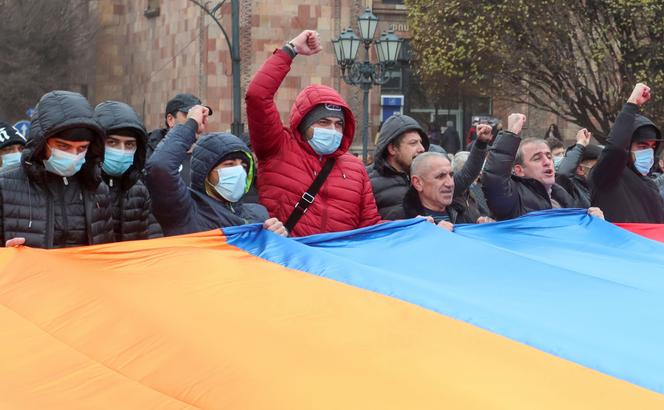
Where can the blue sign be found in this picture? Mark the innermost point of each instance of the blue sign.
(23, 127)
(390, 104)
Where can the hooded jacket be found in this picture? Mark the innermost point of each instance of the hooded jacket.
(132, 217)
(287, 165)
(48, 210)
(623, 194)
(566, 177)
(389, 185)
(180, 209)
(509, 196)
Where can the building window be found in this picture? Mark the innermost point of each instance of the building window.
(392, 1)
(152, 10)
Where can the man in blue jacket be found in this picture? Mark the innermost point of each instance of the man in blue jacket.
(222, 169)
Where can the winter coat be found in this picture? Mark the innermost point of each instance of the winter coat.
(154, 138)
(48, 210)
(623, 194)
(450, 140)
(566, 177)
(287, 165)
(180, 209)
(389, 185)
(132, 216)
(510, 196)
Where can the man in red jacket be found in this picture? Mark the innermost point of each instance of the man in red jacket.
(321, 127)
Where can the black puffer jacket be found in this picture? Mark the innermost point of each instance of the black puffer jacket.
(48, 210)
(510, 196)
(155, 137)
(616, 187)
(182, 210)
(132, 217)
(389, 185)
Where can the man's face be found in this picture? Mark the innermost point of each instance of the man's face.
(558, 152)
(121, 142)
(213, 176)
(537, 163)
(173, 120)
(641, 145)
(435, 185)
(72, 147)
(584, 167)
(331, 123)
(400, 157)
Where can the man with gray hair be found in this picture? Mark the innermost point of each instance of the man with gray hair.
(432, 192)
(532, 186)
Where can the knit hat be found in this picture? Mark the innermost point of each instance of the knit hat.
(76, 134)
(318, 112)
(10, 135)
(645, 133)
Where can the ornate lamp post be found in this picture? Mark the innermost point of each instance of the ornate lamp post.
(366, 74)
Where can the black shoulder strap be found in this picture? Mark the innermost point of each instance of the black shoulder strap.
(308, 196)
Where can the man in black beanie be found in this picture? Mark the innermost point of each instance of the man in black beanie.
(619, 181)
(11, 145)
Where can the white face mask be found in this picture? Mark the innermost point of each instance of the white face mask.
(63, 163)
(644, 160)
(232, 183)
(325, 141)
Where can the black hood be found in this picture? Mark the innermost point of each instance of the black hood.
(392, 128)
(115, 115)
(641, 121)
(208, 152)
(59, 111)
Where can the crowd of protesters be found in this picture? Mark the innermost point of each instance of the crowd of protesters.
(89, 175)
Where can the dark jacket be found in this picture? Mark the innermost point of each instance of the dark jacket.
(132, 216)
(389, 185)
(450, 140)
(154, 138)
(48, 210)
(182, 210)
(617, 188)
(566, 177)
(510, 196)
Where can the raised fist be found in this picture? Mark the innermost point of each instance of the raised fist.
(583, 137)
(307, 43)
(515, 123)
(483, 132)
(640, 94)
(200, 114)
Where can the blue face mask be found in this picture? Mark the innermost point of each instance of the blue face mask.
(232, 183)
(10, 159)
(556, 162)
(644, 160)
(63, 163)
(117, 161)
(325, 141)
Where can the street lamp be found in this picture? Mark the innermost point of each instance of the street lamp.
(365, 74)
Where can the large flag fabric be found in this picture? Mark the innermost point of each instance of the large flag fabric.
(652, 231)
(553, 310)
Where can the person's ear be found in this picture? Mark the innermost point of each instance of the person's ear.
(170, 120)
(417, 183)
(391, 150)
(518, 170)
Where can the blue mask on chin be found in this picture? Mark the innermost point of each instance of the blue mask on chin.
(644, 160)
(325, 141)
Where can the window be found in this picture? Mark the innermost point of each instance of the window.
(152, 10)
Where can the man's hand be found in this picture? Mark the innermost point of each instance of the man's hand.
(515, 123)
(428, 218)
(485, 220)
(483, 132)
(446, 225)
(640, 95)
(583, 137)
(275, 225)
(594, 211)
(307, 43)
(15, 242)
(200, 115)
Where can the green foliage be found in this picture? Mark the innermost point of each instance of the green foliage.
(578, 59)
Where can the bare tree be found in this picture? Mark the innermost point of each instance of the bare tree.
(45, 45)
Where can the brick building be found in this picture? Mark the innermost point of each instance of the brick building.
(149, 50)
